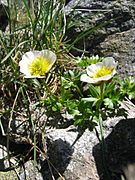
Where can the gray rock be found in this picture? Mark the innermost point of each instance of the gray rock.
(115, 35)
(3, 15)
(70, 155)
(75, 154)
(122, 47)
(110, 17)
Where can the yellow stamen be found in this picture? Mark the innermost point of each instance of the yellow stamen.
(103, 71)
(39, 66)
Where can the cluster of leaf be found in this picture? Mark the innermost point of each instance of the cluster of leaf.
(85, 60)
(128, 87)
(81, 100)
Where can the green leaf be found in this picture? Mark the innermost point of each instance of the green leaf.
(94, 91)
(109, 103)
(8, 55)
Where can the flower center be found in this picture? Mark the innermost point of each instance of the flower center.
(103, 71)
(39, 66)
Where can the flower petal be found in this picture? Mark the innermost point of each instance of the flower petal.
(27, 59)
(110, 62)
(50, 56)
(30, 76)
(30, 56)
(94, 75)
(93, 68)
(87, 79)
(24, 67)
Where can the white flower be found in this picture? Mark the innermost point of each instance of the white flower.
(37, 63)
(100, 72)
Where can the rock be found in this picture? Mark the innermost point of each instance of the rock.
(69, 152)
(74, 153)
(122, 47)
(114, 36)
(30, 171)
(3, 15)
(110, 16)
(120, 150)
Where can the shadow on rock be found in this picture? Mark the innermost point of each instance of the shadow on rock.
(119, 152)
(59, 153)
(3, 17)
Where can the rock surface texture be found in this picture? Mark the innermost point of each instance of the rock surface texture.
(122, 47)
(109, 27)
(76, 154)
(3, 15)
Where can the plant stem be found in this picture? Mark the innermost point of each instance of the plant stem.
(102, 140)
(100, 112)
